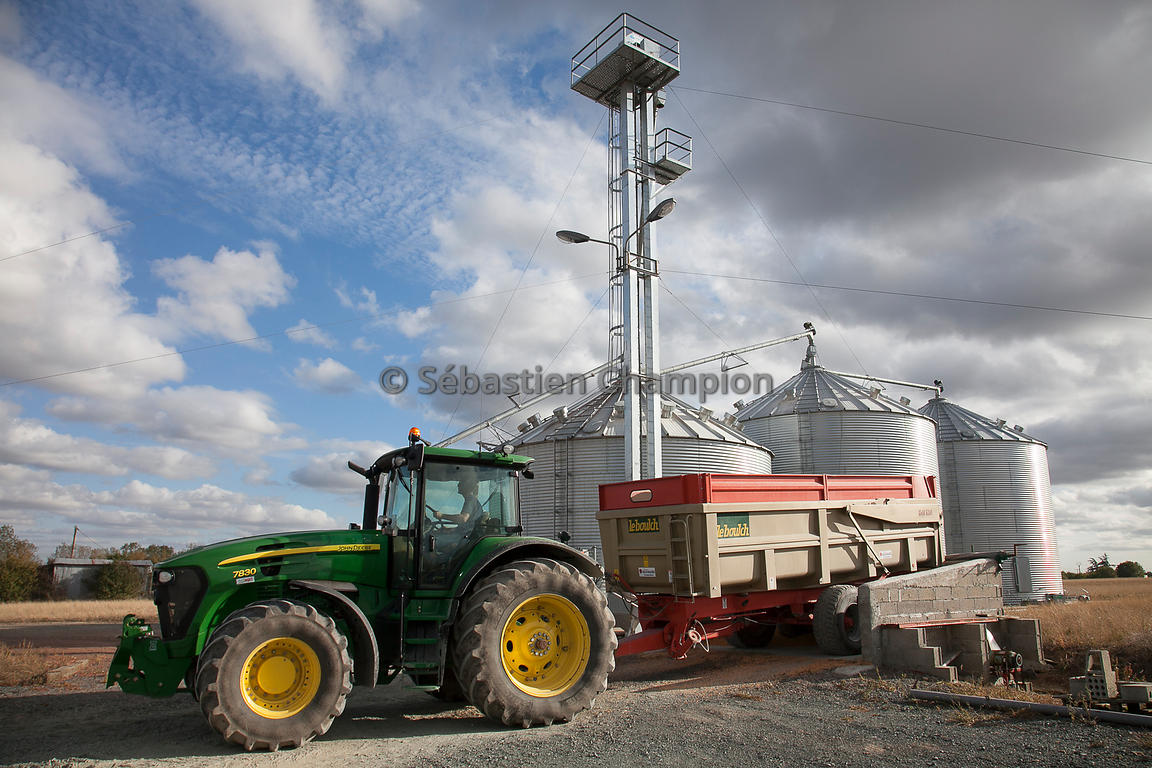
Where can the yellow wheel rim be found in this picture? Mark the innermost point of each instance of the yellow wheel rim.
(280, 677)
(545, 645)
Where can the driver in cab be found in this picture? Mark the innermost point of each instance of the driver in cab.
(468, 487)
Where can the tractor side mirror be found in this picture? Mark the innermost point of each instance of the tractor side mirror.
(416, 456)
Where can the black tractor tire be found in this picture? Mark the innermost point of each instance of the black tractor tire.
(836, 621)
(284, 657)
(534, 643)
(752, 636)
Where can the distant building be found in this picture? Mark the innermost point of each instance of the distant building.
(72, 576)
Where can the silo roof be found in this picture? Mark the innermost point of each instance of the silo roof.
(954, 423)
(816, 389)
(601, 414)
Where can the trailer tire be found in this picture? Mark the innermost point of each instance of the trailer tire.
(534, 643)
(274, 674)
(836, 621)
(752, 636)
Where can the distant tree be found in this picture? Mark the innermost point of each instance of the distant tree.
(19, 568)
(65, 550)
(118, 580)
(1069, 575)
(1130, 569)
(1100, 568)
(129, 551)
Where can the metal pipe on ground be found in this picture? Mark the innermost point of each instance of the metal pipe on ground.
(1107, 715)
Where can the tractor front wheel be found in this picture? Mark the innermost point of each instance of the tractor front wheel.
(534, 643)
(274, 674)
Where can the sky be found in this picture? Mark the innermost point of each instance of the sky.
(221, 219)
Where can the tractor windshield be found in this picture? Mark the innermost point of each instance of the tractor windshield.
(468, 498)
(462, 503)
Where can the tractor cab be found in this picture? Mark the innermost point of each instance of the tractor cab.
(437, 503)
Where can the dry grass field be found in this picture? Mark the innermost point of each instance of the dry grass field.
(74, 611)
(1118, 618)
(24, 666)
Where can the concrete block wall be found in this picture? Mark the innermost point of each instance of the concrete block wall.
(962, 590)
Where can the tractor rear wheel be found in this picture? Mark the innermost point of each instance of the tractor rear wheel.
(274, 674)
(534, 643)
(836, 621)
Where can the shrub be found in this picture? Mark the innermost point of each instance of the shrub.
(19, 568)
(117, 581)
(1130, 569)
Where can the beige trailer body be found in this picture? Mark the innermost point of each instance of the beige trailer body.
(714, 549)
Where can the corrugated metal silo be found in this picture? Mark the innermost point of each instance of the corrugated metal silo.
(581, 446)
(821, 423)
(997, 494)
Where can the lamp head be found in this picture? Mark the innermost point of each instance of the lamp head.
(662, 209)
(568, 236)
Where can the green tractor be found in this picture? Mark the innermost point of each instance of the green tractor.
(270, 633)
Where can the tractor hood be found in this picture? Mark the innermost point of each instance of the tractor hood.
(300, 554)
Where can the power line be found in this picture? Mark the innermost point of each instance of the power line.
(285, 332)
(911, 295)
(913, 124)
(771, 232)
(664, 285)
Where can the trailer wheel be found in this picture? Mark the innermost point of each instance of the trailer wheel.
(534, 643)
(836, 621)
(274, 674)
(752, 636)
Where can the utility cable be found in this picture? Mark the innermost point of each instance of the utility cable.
(771, 232)
(912, 124)
(285, 332)
(701, 320)
(911, 295)
(524, 269)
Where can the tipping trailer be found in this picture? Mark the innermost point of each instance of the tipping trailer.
(708, 556)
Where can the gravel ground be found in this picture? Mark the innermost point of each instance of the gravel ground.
(785, 706)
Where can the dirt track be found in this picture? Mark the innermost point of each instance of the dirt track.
(787, 706)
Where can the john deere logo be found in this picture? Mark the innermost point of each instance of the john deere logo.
(643, 525)
(732, 526)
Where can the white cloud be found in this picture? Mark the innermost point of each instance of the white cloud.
(279, 38)
(137, 511)
(216, 297)
(237, 424)
(306, 332)
(56, 120)
(380, 15)
(31, 443)
(65, 308)
(363, 301)
(361, 344)
(327, 375)
(330, 472)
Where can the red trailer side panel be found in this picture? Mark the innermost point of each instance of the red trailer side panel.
(707, 488)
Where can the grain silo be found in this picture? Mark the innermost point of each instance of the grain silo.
(819, 422)
(997, 496)
(582, 445)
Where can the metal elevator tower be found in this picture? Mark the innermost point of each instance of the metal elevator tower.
(624, 68)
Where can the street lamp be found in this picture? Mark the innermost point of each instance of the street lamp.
(662, 209)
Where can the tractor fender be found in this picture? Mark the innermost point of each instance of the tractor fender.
(366, 667)
(519, 550)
